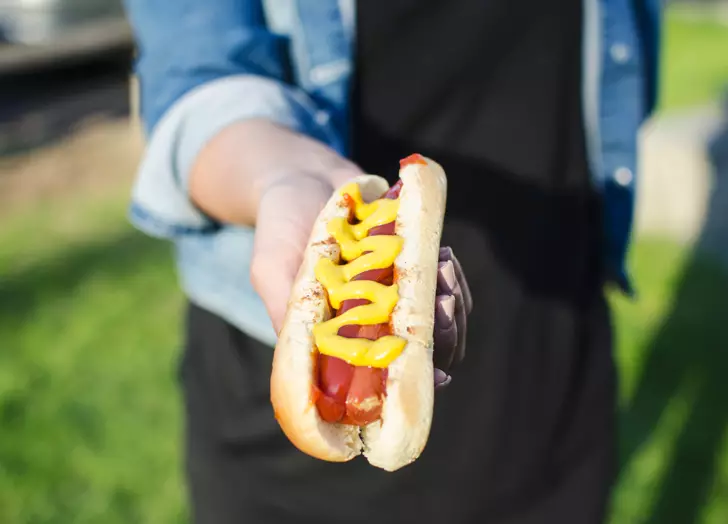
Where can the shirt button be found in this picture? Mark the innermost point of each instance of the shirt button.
(623, 176)
(321, 117)
(619, 52)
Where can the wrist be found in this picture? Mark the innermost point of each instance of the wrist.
(246, 159)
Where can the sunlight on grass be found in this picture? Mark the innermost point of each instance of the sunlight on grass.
(640, 480)
(671, 353)
(694, 66)
(657, 267)
(716, 511)
(88, 401)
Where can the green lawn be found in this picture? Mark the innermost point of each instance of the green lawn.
(89, 336)
(89, 420)
(671, 347)
(694, 66)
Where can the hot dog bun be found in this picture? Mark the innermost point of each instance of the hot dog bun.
(402, 433)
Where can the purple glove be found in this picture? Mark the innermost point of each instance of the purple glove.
(452, 306)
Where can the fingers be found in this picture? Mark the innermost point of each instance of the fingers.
(447, 282)
(444, 311)
(289, 205)
(339, 177)
(446, 331)
(442, 379)
(446, 254)
(462, 326)
(467, 296)
(449, 285)
(453, 303)
(286, 214)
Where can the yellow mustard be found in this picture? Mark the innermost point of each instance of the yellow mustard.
(381, 252)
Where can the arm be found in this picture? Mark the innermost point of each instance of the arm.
(186, 44)
(210, 74)
(229, 186)
(231, 141)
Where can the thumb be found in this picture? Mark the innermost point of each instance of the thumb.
(286, 213)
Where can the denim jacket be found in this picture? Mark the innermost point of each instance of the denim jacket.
(204, 64)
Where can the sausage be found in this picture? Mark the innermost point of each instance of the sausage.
(329, 409)
(384, 229)
(366, 393)
(353, 394)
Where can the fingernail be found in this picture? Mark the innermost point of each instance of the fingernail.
(444, 311)
(446, 278)
(441, 378)
(445, 253)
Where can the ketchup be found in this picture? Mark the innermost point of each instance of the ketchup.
(352, 394)
(413, 159)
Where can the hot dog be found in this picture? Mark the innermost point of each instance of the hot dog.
(357, 391)
(352, 370)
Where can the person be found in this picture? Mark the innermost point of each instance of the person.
(255, 111)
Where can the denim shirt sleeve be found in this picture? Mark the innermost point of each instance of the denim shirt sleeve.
(202, 66)
(649, 22)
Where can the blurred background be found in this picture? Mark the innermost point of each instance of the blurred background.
(90, 310)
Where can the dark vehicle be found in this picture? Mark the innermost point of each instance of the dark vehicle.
(34, 33)
(61, 62)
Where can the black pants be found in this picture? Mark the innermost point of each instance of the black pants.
(524, 434)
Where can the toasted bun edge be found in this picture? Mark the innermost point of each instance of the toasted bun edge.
(292, 376)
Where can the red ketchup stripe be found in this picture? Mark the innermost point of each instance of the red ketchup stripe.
(413, 159)
(344, 389)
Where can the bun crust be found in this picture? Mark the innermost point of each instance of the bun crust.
(401, 435)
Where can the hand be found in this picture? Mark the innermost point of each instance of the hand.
(261, 174)
(280, 185)
(287, 212)
(452, 306)
(289, 206)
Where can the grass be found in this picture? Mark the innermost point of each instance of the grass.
(672, 361)
(89, 337)
(694, 65)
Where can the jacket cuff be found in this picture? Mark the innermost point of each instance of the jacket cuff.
(160, 205)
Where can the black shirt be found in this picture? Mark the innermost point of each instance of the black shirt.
(496, 82)
(492, 91)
